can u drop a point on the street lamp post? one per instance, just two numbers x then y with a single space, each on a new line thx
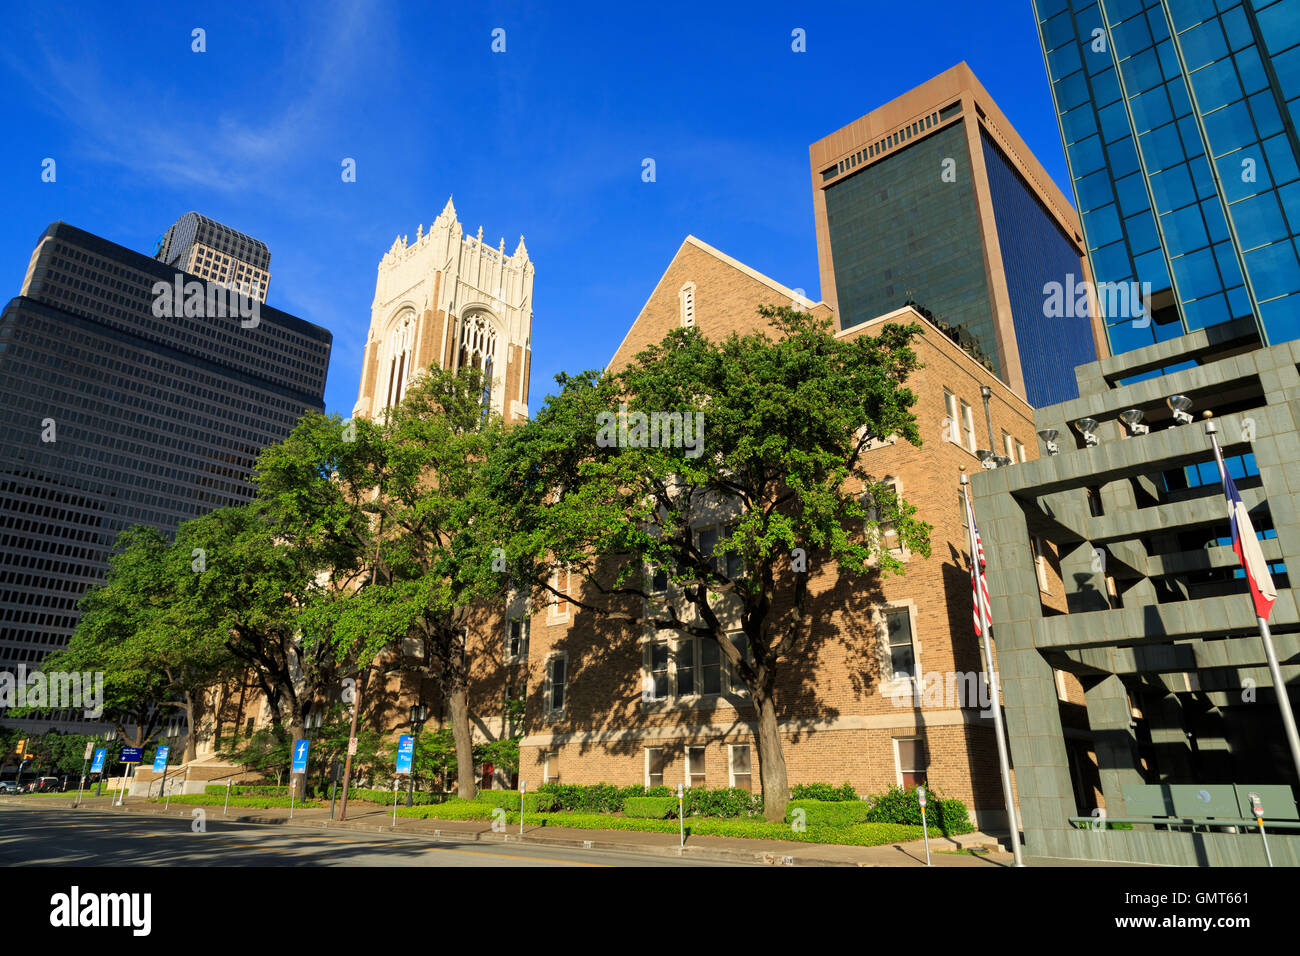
419 714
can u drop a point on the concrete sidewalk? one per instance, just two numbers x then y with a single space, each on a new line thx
372 818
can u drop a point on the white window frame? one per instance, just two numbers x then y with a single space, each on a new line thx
900 551
525 626
551 709
731 765
889 685
968 426
547 755
950 401
1009 447
688 769
728 682
553 613
898 759
663 763
698 531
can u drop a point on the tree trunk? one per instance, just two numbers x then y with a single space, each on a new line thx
192 719
297 781
458 707
771 759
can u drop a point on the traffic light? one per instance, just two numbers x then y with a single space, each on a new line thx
22 746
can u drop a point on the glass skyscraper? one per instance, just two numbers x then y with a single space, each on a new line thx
934 199
1179 124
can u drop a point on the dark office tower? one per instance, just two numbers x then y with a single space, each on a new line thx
115 416
1179 122
206 248
934 198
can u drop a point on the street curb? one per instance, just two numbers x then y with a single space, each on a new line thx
438 835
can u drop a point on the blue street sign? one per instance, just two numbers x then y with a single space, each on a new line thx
405 753
300 755
160 760
131 755
98 765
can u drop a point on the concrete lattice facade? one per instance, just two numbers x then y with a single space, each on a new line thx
1159 630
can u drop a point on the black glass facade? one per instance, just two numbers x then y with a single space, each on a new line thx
115 417
1179 122
899 230
1035 252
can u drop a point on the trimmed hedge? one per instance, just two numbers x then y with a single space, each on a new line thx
823 792
509 799
246 790
902 806
650 808
830 813
260 803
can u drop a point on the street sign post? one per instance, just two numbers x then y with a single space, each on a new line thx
925 829
405 754
130 756
681 817
160 766
300 749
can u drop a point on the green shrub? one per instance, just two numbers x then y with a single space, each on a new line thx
830 813
454 809
597 798
246 790
509 799
900 805
722 802
650 808
823 792
262 803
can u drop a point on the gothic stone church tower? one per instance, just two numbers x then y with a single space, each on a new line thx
449 300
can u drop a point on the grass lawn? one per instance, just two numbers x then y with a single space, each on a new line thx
858 834
259 803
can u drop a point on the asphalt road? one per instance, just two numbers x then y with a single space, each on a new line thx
55 837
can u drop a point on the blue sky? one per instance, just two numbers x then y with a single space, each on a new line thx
544 140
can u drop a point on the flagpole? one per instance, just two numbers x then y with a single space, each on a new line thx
1274 669
990 673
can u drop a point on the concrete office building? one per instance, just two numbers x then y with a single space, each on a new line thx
117 417
934 198
213 251
1159 624
1179 123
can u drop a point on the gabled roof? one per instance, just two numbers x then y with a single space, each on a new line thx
783 291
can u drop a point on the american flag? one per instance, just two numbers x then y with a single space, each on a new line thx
979 586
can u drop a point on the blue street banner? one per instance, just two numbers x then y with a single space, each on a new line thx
131 755
160 759
300 748
98 765
405 753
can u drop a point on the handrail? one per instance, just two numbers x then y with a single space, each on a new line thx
1095 823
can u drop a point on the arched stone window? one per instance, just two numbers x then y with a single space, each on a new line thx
400 341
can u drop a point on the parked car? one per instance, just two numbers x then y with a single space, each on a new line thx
46 785
10 786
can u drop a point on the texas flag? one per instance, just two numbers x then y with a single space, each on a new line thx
1246 544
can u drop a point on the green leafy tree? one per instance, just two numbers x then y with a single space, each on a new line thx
433 569
131 632
787 417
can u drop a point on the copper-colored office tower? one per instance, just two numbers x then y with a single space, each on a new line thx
934 198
